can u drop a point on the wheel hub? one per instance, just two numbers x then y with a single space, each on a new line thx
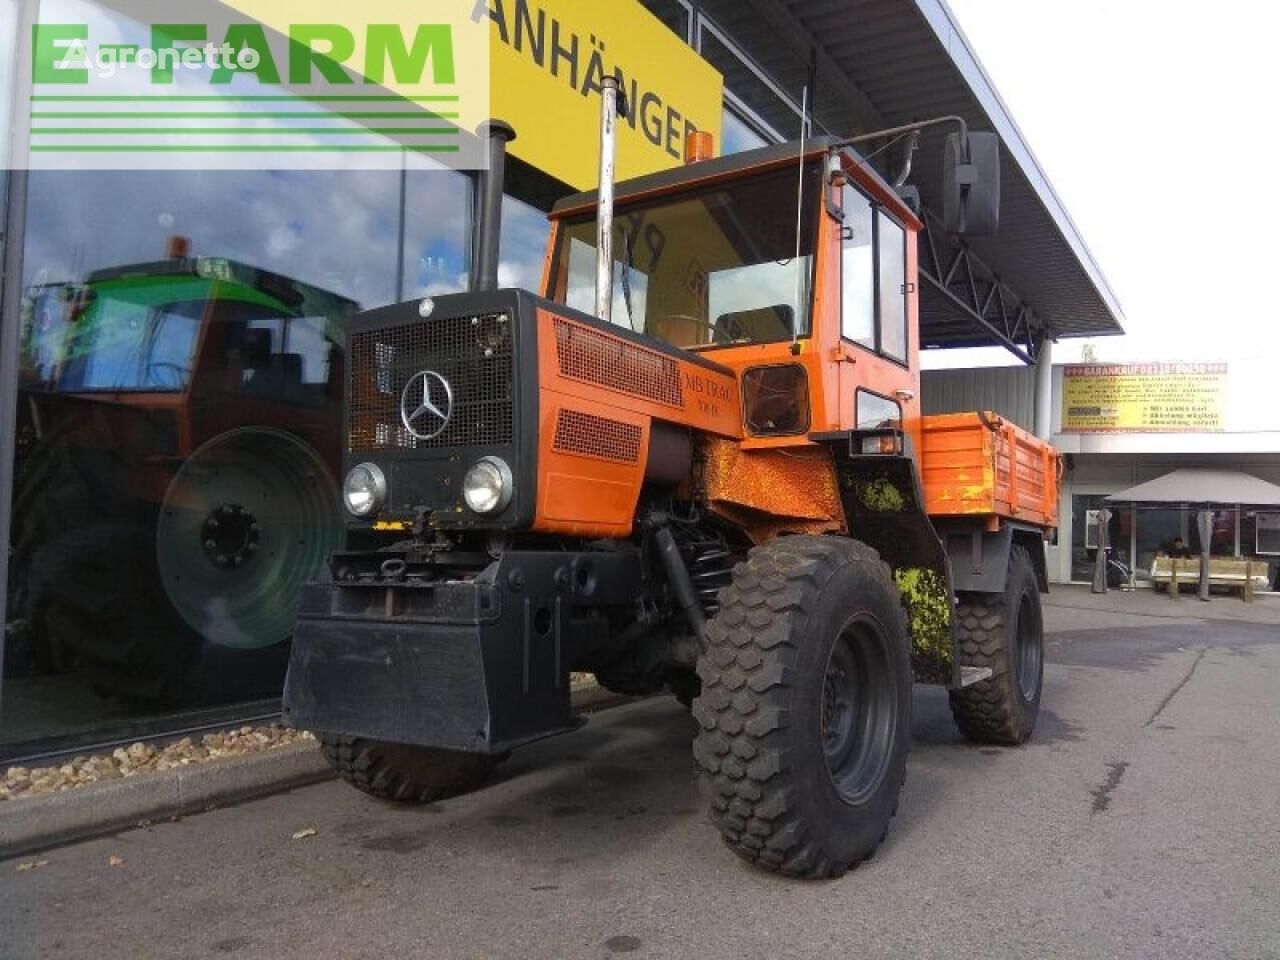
859 711
230 536
1029 652
837 709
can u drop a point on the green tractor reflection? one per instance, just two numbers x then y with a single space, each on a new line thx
181 430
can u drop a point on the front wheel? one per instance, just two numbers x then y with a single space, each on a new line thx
805 711
403 773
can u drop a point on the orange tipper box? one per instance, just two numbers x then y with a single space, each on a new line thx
980 464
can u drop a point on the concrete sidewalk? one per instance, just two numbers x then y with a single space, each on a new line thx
1145 602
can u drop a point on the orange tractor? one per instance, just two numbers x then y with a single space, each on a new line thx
695 462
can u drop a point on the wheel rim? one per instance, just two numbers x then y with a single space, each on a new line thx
248 520
1029 651
859 710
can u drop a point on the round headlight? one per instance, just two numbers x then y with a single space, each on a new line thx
365 491
488 486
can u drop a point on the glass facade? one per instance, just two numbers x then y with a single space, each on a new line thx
177 444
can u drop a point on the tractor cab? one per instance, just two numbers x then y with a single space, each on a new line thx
794 268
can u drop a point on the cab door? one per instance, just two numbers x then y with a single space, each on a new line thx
879 325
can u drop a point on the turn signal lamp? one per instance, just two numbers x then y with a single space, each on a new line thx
698 146
177 247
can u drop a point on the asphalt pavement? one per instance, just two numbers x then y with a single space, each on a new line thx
1142 821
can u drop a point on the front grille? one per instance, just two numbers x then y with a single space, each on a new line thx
588 435
607 361
475 354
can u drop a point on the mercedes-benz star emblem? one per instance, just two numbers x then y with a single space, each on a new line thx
426 406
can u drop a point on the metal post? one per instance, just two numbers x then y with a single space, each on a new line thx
1133 547
604 209
1204 522
400 231
11 262
1100 561
1044 391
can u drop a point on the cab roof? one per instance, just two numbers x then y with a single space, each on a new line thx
731 167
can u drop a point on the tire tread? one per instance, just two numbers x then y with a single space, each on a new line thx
990 711
742 714
404 774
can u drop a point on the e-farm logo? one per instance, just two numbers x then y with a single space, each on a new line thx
251 94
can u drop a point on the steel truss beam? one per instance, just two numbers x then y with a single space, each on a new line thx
977 293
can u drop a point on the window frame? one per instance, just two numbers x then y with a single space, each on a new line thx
857 394
878 208
559 291
808 409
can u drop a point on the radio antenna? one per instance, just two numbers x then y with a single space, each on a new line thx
800 273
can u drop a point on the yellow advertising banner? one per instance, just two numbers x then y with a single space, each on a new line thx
547 59
1143 397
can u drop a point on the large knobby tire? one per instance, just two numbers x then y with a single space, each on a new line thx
1004 632
805 711
403 773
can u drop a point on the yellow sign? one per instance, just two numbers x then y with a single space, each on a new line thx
540 69
1143 397
547 59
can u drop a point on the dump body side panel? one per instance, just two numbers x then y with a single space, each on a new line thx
981 465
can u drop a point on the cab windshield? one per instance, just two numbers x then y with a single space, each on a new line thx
120 337
705 268
142 335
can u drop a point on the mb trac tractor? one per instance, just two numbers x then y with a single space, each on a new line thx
178 445
694 462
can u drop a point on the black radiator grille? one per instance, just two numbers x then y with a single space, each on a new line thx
475 354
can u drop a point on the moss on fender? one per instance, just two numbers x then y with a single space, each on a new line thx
928 603
881 496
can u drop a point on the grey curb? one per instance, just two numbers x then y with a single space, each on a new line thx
28 824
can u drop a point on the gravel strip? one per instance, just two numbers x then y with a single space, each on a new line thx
125 762
20 782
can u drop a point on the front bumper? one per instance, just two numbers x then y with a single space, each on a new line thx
479 665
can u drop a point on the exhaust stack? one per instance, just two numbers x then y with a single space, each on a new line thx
604 210
489 215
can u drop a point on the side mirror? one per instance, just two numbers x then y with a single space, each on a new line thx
971 185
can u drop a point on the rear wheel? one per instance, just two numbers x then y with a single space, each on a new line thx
805 709
1004 633
403 773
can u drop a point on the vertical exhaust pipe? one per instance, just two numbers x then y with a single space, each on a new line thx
489 212
604 209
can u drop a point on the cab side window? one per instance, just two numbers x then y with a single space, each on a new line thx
858 259
874 277
892 290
